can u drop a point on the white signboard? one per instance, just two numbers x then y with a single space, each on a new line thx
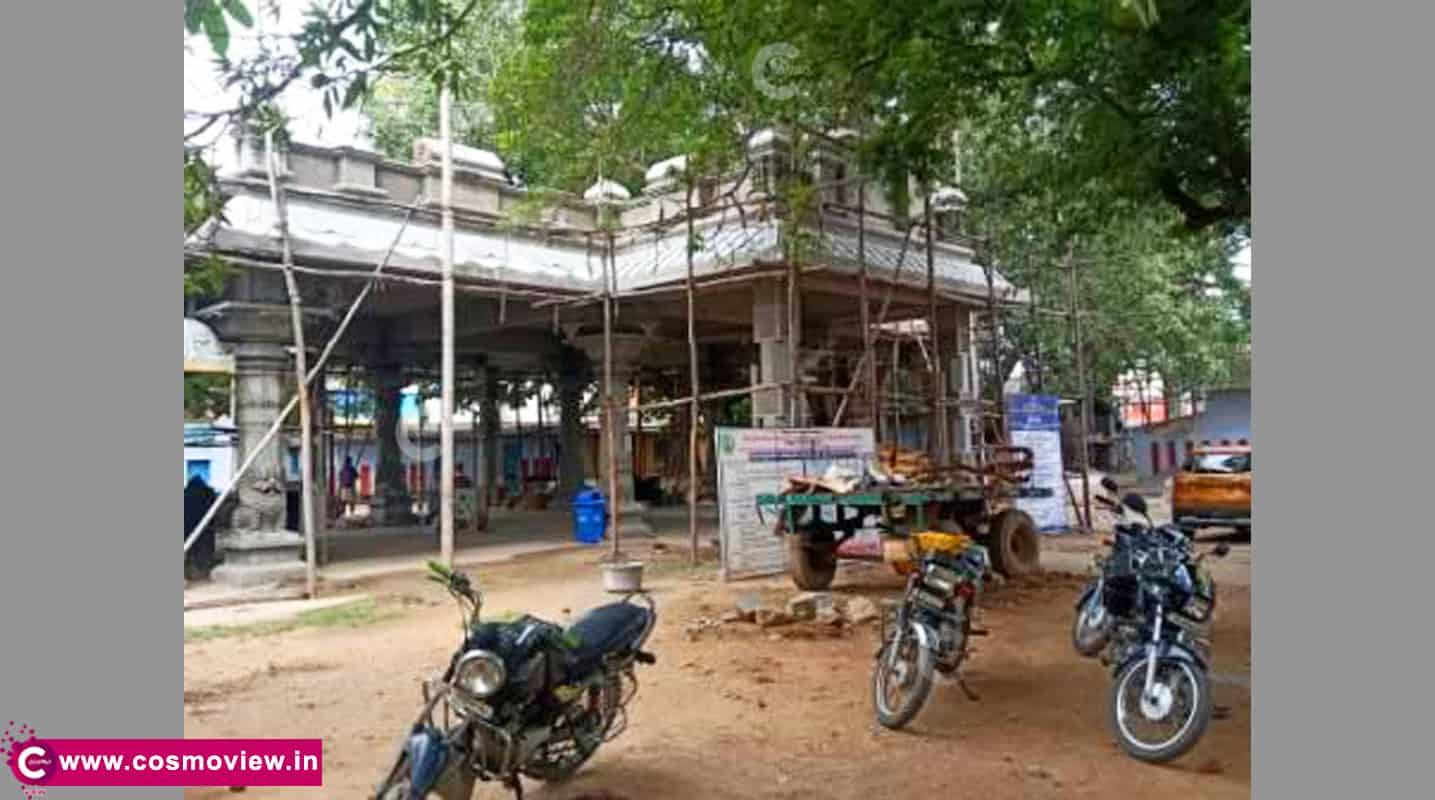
1035 424
754 461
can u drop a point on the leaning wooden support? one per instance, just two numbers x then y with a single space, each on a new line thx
313 371
695 409
301 386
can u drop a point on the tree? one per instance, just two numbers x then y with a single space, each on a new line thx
206 395
341 49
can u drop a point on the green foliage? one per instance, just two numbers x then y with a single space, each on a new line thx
212 17
206 395
202 202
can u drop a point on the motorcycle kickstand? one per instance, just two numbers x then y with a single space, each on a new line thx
515 785
967 690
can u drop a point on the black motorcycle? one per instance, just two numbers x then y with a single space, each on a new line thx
521 698
931 629
1146 614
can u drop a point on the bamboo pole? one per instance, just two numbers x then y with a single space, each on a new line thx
296 318
794 332
936 424
709 396
319 365
881 318
695 408
445 509
1084 457
992 338
873 400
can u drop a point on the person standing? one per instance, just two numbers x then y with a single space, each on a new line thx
348 480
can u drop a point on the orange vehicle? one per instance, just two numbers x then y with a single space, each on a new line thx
1213 489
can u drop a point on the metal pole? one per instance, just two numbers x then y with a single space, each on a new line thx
614 505
319 365
694 408
445 511
296 318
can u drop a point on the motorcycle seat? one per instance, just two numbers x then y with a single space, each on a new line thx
607 629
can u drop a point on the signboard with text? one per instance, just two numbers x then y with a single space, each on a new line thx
753 461
1035 423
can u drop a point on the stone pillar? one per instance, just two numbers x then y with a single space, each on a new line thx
491 426
391 503
570 404
626 349
257 548
770 407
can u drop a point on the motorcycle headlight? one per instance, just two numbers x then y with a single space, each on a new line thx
480 673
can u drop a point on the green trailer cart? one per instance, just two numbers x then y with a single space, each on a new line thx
816 522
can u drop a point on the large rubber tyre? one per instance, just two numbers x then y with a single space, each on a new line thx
1192 732
923 666
812 559
1015 545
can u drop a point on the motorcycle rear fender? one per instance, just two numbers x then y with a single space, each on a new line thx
428 755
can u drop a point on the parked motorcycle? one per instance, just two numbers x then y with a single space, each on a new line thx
1146 614
931 627
521 698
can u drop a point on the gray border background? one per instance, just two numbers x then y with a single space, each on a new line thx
90 577
1341 596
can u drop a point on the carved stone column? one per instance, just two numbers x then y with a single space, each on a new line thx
391 503
257 549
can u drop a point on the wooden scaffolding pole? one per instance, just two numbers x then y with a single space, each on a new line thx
1083 457
937 422
301 385
993 340
446 377
696 390
870 362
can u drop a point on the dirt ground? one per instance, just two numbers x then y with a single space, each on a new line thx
733 711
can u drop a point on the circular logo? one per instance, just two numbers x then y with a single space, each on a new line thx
34 762
772 70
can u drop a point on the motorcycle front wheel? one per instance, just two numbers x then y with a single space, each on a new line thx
1163 726
1091 629
902 679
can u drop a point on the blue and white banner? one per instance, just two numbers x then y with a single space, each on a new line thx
1035 423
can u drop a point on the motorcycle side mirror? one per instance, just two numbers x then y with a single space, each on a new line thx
1109 484
1135 502
1222 550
